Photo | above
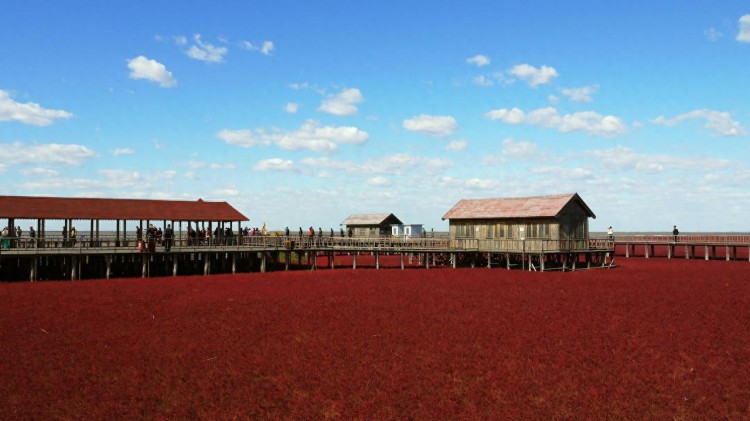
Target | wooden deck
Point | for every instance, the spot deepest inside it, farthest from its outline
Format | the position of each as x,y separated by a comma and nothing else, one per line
105,257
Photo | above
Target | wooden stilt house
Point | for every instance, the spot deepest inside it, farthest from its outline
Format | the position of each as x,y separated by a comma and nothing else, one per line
523,224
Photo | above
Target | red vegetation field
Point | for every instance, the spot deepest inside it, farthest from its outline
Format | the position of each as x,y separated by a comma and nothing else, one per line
652,339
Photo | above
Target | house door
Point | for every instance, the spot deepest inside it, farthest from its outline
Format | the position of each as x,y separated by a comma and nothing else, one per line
394,231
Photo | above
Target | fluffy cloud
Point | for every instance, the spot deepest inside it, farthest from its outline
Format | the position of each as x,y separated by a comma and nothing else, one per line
720,122
479,59
519,149
378,181
532,75
50,153
151,70
712,34
397,164
586,121
482,80
744,34
433,125
291,107
582,94
564,173
456,145
275,164
204,51
344,103
28,113
122,151
311,136
265,48
626,159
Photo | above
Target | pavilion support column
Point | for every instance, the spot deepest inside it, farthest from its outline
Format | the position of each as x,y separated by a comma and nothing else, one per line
97,232
489,260
206,264
175,259
73,268
34,267
263,263
144,266
108,265
234,263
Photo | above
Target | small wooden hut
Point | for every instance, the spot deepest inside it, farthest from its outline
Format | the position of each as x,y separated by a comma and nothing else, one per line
371,224
523,224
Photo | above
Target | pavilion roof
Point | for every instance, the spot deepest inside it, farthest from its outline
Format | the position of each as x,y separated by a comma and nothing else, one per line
31,207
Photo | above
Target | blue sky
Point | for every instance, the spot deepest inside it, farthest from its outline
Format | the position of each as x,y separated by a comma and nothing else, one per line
302,113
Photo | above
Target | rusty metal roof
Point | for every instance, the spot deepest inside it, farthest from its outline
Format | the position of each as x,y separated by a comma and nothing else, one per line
370,219
28,207
516,207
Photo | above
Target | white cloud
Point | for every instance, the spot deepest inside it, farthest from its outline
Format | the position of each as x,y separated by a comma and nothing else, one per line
342,103
275,164
122,151
39,172
553,99
433,125
204,51
479,59
519,149
311,136
483,81
532,75
28,113
712,34
50,153
586,121
378,181
396,164
195,165
151,70
720,122
472,184
226,192
266,48
564,173
744,34
625,159
582,94
291,107
456,145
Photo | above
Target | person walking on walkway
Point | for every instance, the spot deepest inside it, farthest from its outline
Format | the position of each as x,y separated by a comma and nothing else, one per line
675,233
168,237
610,233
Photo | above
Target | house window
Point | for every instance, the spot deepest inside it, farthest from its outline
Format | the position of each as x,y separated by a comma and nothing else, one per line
464,231
537,230
496,231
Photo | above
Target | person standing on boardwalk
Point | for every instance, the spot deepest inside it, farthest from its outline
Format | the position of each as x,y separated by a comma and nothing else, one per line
286,231
675,233
168,237
610,233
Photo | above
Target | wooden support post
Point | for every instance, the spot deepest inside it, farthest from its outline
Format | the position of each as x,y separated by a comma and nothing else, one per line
427,260
507,261
453,260
206,264
263,263
627,250
726,252
288,256
402,260
32,273
489,260
234,263
645,249
108,264
174,264
564,259
705,252
331,261
354,263
144,262
541,260
669,250
687,252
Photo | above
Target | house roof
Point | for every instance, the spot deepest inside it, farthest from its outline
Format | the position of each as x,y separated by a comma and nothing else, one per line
27,207
370,219
516,207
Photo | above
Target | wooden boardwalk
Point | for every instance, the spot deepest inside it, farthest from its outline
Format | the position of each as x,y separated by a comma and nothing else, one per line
707,247
58,258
